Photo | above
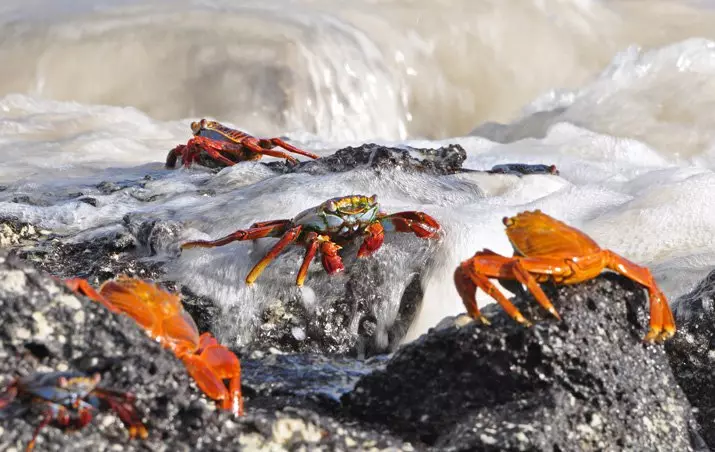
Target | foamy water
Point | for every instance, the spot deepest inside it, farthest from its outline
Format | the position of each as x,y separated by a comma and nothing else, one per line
619,95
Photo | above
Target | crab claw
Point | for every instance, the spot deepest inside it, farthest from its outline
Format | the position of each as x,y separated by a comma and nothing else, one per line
422,225
374,237
332,262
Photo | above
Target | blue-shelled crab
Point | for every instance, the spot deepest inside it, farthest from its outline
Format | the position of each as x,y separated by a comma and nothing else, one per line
325,228
68,399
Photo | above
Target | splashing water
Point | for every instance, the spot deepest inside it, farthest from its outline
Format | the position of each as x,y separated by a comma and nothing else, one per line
619,95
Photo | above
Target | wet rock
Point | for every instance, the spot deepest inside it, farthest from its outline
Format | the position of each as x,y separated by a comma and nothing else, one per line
96,260
523,169
363,311
346,326
108,187
585,383
46,328
17,233
118,253
692,352
34,200
155,235
445,160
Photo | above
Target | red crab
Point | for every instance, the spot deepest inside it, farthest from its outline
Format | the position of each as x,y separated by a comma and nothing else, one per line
547,250
163,316
323,228
68,399
228,146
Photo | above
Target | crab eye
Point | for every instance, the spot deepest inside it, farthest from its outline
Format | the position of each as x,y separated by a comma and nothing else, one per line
331,207
196,127
373,199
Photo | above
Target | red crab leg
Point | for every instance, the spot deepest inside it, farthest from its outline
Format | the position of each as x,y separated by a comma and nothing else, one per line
312,247
522,269
423,225
225,365
662,323
82,287
253,145
8,395
289,147
374,237
261,224
213,148
174,155
122,404
467,278
210,368
522,275
46,419
240,235
288,238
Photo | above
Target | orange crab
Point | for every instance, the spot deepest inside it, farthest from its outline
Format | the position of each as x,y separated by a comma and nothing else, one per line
228,146
547,250
164,318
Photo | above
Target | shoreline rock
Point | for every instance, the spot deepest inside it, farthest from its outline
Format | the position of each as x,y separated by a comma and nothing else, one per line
47,328
585,383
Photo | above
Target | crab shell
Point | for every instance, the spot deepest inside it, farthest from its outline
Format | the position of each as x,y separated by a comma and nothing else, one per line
345,217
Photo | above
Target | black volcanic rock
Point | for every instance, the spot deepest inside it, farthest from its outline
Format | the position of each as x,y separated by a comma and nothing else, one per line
46,328
692,352
586,383
445,160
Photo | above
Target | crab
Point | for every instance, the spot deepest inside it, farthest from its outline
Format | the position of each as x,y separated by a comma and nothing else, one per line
162,315
326,228
228,146
547,250
68,399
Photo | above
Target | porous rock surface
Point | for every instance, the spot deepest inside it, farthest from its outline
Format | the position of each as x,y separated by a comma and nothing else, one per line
46,328
692,352
586,383
445,160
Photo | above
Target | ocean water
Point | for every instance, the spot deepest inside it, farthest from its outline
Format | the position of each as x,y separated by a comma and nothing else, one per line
619,94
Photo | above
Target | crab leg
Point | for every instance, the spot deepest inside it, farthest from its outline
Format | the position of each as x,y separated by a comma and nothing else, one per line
421,224
53,411
174,154
210,368
7,397
213,148
662,323
82,287
261,224
255,147
331,260
468,280
288,238
289,147
524,277
225,365
311,248
272,230
521,269
120,403
374,237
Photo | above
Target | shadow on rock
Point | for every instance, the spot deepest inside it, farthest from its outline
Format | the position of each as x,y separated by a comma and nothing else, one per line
586,383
